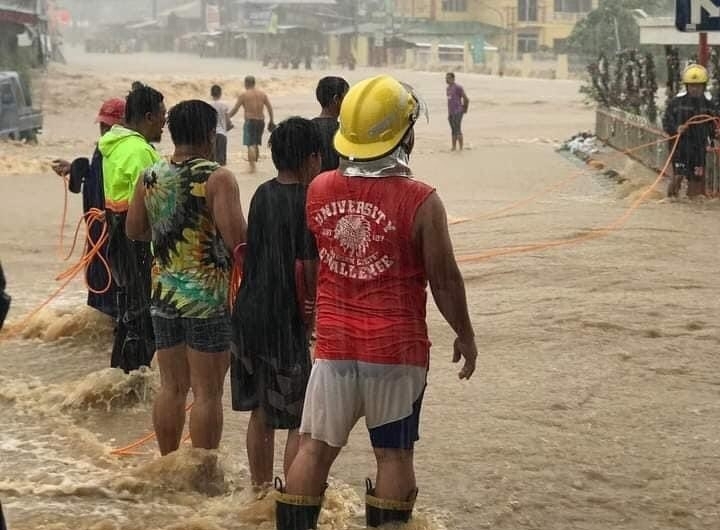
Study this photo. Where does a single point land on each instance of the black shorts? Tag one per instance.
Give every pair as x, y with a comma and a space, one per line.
456, 123
221, 149
252, 132
275, 384
207, 335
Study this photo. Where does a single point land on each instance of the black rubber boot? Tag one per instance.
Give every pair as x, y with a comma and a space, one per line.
382, 511
4, 307
4, 303
296, 512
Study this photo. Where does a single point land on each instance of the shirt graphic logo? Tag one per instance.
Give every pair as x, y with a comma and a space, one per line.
354, 233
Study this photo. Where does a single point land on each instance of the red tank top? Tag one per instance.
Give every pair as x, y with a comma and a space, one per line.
372, 284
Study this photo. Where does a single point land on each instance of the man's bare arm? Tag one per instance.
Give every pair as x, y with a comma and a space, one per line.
269, 108
446, 282
137, 223
465, 101
223, 196
239, 103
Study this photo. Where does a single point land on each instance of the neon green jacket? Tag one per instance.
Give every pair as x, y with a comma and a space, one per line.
126, 154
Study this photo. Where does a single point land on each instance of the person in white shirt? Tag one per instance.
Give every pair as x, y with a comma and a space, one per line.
223, 125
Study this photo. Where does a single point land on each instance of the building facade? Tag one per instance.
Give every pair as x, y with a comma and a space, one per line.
525, 26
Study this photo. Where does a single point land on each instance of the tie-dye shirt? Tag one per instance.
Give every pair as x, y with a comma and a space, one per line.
191, 273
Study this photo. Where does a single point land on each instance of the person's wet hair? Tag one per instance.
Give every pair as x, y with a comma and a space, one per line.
136, 85
293, 141
328, 88
192, 122
451, 75
215, 91
249, 81
140, 102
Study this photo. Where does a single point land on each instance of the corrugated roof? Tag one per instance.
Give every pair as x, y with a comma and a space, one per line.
287, 2
365, 27
441, 27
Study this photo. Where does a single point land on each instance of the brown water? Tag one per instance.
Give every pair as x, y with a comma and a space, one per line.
595, 405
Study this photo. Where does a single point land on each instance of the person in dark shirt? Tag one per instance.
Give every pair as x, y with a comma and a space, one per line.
330, 93
689, 157
273, 313
86, 175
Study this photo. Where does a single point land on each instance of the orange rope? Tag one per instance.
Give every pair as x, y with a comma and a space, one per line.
128, 449
597, 233
92, 251
63, 219
552, 187
234, 286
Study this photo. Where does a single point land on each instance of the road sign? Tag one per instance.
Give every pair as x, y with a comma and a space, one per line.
697, 15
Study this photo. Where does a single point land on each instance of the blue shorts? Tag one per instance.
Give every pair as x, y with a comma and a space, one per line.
401, 434
252, 132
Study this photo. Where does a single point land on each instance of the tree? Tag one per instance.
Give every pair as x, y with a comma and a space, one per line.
612, 26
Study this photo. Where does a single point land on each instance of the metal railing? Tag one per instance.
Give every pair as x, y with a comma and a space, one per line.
625, 131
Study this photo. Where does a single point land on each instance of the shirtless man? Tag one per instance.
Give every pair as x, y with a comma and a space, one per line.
253, 100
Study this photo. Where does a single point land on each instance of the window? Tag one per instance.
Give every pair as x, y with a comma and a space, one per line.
527, 42
573, 6
527, 10
6, 96
458, 6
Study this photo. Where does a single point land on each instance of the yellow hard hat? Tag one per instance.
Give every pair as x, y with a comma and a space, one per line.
695, 74
374, 117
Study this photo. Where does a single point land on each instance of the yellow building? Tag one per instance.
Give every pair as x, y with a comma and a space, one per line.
527, 25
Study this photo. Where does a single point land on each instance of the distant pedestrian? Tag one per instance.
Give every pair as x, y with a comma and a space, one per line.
330, 93
254, 101
458, 104
224, 125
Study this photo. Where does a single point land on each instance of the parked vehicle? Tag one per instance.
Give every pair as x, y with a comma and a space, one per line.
18, 119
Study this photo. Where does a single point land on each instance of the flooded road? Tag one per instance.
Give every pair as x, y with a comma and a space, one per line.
596, 404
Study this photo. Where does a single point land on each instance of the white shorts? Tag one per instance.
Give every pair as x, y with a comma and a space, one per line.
339, 393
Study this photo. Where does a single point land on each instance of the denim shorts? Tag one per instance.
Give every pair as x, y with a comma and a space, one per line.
209, 335
456, 124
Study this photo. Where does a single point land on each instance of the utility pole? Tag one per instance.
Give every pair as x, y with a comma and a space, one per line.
704, 51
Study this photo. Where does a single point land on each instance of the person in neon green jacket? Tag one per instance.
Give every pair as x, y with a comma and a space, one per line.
127, 152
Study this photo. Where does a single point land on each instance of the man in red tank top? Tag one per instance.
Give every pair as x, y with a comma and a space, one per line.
381, 237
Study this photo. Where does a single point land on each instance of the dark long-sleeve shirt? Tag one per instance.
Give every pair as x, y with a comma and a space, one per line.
695, 138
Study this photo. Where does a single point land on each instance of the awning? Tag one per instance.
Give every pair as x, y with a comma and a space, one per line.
287, 2
189, 6
364, 28
18, 16
443, 28
143, 24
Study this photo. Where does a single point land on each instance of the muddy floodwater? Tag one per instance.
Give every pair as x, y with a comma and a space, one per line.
596, 404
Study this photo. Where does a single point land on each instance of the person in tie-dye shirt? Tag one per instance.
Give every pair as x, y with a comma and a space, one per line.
189, 207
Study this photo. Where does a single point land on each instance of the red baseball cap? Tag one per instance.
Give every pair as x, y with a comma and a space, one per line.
112, 112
